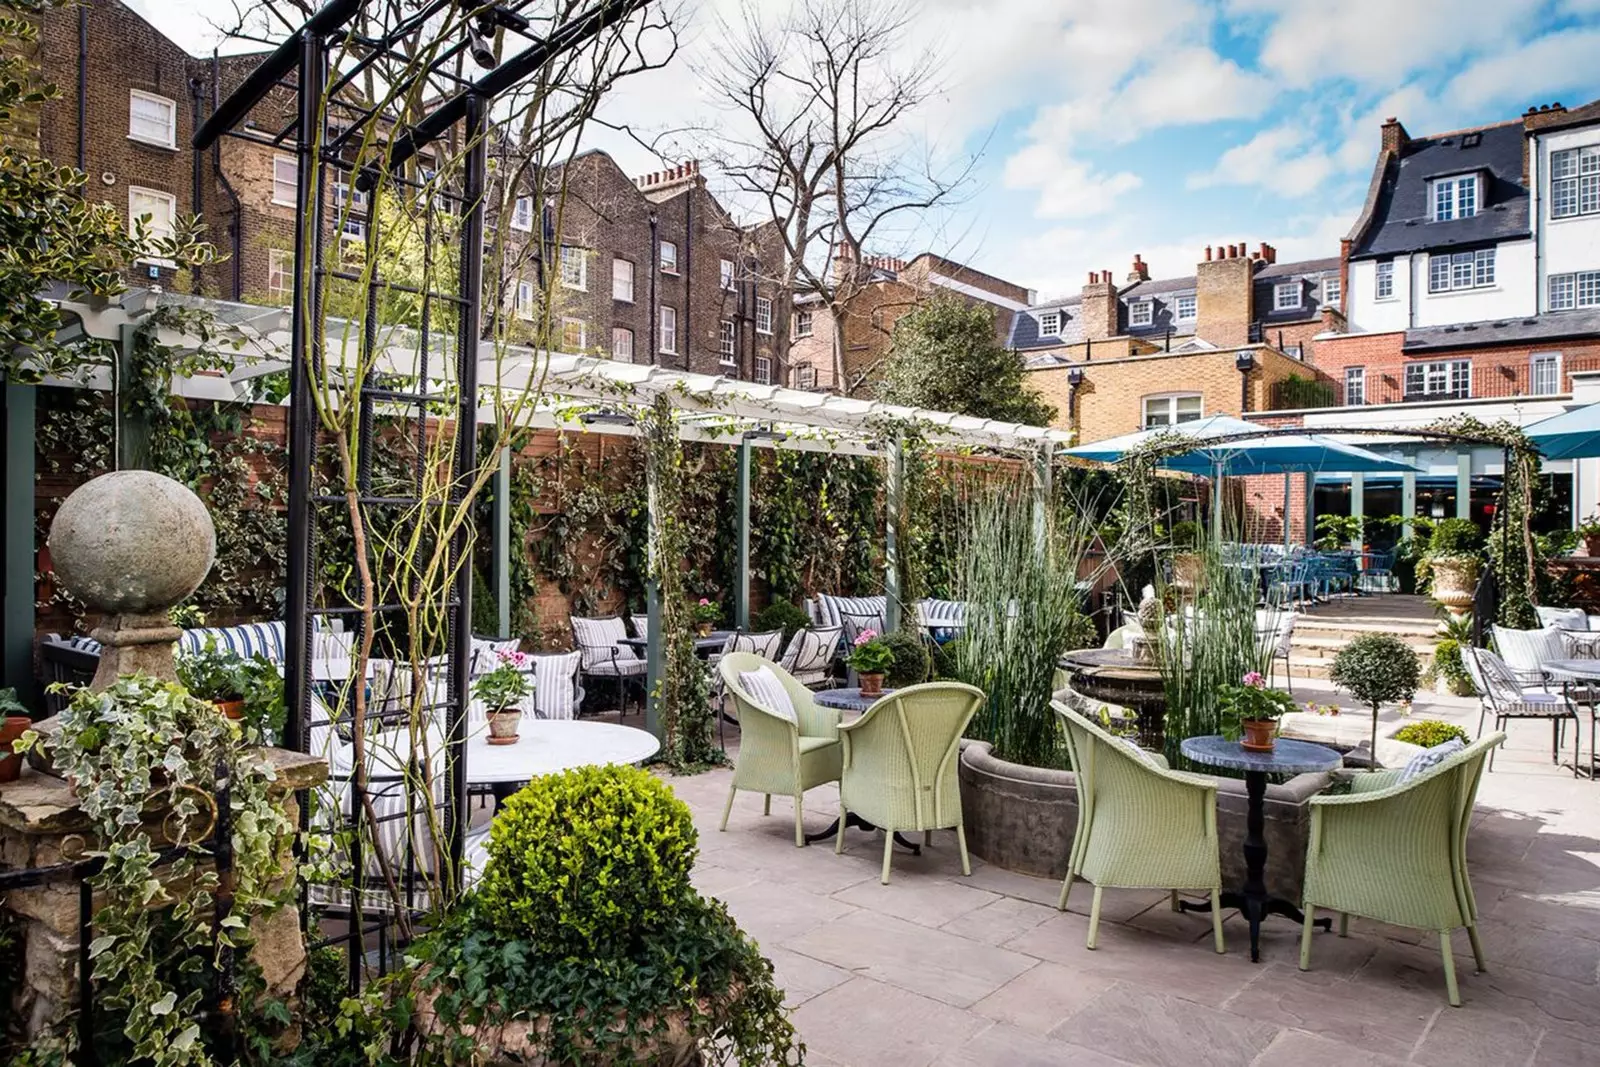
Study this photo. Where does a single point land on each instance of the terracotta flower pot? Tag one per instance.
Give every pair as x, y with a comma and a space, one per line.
1591, 545
1259, 734
871, 685
503, 724
233, 709
703, 629
10, 730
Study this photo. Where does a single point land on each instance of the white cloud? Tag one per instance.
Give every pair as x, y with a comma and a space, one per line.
1532, 73
1279, 159
1068, 188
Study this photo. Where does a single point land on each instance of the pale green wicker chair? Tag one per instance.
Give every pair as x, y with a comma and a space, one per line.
1140, 825
900, 762
1397, 852
775, 755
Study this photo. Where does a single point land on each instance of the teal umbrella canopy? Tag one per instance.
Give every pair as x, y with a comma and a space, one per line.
1572, 434
1213, 453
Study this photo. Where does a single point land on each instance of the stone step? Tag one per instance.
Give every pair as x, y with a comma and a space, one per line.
1320, 624
1331, 644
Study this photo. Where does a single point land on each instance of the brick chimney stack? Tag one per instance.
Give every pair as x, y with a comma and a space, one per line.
1224, 295
1395, 137
1534, 119
1140, 271
1100, 308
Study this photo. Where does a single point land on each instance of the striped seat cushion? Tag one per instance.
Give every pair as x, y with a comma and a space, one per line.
555, 694
246, 640
942, 612
486, 649
1430, 758
833, 610
597, 641
85, 644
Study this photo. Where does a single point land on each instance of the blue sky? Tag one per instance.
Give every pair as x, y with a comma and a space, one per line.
1112, 129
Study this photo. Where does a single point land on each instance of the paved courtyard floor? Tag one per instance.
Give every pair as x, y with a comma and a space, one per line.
937, 968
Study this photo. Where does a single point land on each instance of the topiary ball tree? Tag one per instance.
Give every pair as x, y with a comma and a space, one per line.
588, 862
911, 661
1377, 669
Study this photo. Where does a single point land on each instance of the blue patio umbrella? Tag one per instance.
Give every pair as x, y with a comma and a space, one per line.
1216, 457
1572, 434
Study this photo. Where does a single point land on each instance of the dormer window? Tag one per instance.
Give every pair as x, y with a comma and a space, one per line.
1050, 324
1185, 309
1455, 198
1286, 296
1141, 313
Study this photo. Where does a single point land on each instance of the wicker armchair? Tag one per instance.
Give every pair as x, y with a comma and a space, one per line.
900, 764
776, 755
1396, 851
1140, 825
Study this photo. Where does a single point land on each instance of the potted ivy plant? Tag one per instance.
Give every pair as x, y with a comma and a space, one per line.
1589, 533
502, 689
870, 657
1453, 563
16, 723
1250, 711
705, 615
215, 674
1376, 669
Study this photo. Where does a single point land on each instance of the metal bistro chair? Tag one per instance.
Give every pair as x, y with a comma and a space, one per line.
811, 654
604, 658
1500, 691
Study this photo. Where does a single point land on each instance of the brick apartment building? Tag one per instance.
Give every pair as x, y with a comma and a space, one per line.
646, 269
885, 288
1118, 358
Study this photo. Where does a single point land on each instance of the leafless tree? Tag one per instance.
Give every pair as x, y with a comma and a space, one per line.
818, 136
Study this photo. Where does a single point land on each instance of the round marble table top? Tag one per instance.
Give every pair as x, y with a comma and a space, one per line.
551, 745
847, 699
1572, 668
1286, 757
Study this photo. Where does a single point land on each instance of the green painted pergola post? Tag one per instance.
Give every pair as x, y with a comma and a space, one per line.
500, 510
1358, 507
1311, 508
894, 501
1408, 503
133, 429
1464, 485
741, 588
16, 667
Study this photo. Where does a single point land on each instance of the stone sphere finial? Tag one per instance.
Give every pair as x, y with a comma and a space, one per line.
132, 542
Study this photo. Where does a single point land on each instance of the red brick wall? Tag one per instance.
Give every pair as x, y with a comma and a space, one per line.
1500, 371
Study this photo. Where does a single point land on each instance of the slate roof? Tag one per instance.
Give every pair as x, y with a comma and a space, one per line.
1401, 218
1551, 326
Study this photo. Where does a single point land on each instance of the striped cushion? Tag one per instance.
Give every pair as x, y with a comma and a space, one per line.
484, 651
641, 625
249, 639
942, 612
85, 644
767, 690
555, 695
1429, 758
832, 610
1563, 618
597, 639
1526, 651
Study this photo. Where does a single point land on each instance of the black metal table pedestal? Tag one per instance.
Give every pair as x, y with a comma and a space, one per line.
852, 820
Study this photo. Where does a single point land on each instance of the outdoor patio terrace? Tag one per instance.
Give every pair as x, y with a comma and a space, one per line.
939, 969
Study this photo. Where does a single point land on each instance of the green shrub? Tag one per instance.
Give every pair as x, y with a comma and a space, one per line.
946, 658
1081, 633
1430, 732
1455, 537
911, 663
1185, 536
1377, 669
1449, 665
586, 862
780, 615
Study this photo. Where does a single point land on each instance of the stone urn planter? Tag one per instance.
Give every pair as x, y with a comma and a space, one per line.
1455, 580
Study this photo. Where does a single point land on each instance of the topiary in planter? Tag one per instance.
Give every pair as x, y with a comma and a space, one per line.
911, 661
780, 615
1430, 732
1377, 669
585, 941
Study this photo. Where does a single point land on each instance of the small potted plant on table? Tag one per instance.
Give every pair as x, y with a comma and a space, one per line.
870, 657
214, 673
1251, 710
502, 690
1589, 533
1376, 669
705, 615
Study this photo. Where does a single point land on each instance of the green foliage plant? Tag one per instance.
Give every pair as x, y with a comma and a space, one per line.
586, 924
780, 615
1338, 531
704, 611
1448, 665
1252, 700
1430, 732
506, 683
211, 672
909, 662
1376, 669
1185, 536
870, 653
1455, 539
944, 355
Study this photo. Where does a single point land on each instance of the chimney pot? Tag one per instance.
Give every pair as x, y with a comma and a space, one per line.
1208, 253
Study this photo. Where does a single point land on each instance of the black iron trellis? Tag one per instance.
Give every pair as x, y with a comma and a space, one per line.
328, 121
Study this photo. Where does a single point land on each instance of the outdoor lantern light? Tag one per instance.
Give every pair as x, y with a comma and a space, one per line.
478, 45
605, 417
765, 433
1244, 361
1075, 376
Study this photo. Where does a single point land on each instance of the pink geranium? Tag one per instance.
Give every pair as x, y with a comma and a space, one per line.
1254, 680
869, 634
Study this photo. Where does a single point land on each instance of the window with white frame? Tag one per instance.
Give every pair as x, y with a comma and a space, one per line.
159, 210
1332, 290
1575, 182
1383, 281
1287, 296
669, 330
1579, 290
1049, 324
574, 268
280, 275
1355, 386
1441, 378
152, 119
725, 274
725, 341
522, 214
353, 229
763, 315
285, 181
763, 373
345, 197
805, 376
1449, 271
622, 279
524, 300
574, 335
669, 258
1171, 410
1186, 308
1141, 313
1544, 373
1454, 198
622, 344
803, 323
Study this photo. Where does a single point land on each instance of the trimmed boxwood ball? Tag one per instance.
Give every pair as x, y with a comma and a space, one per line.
911, 660
589, 861
1430, 732
780, 615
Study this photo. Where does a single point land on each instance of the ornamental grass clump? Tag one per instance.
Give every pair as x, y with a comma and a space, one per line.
585, 941
1377, 669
